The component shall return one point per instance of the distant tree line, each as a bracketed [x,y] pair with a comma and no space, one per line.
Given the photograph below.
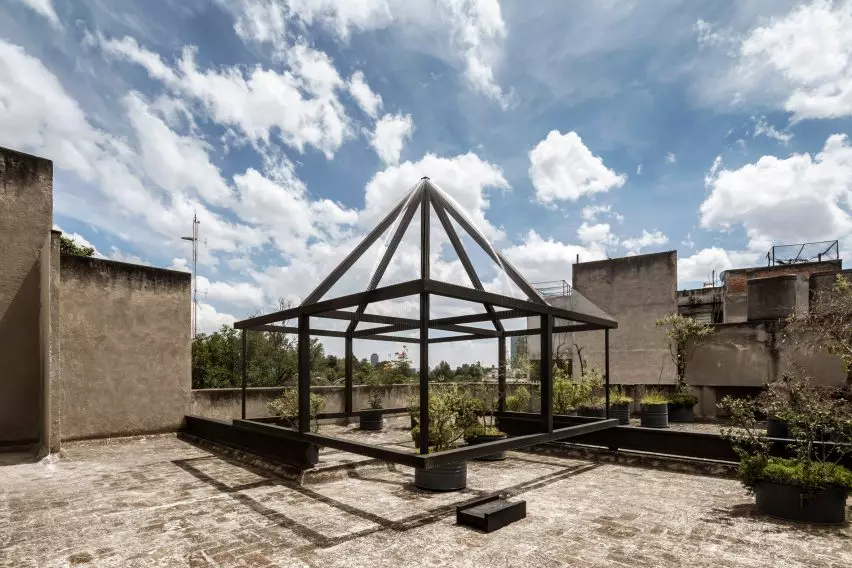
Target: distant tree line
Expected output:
[273,361]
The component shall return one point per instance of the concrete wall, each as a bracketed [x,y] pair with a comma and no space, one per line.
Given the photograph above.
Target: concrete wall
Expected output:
[26,211]
[125,355]
[736,282]
[226,404]
[636,291]
[752,354]
[777,297]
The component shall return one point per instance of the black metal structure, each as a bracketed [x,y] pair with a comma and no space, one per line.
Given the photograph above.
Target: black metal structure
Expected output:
[581,315]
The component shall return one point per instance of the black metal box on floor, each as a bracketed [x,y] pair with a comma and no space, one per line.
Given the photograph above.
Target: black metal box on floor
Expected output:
[490,513]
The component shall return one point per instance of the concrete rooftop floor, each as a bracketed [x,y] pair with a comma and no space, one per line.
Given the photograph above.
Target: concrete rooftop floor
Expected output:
[162,501]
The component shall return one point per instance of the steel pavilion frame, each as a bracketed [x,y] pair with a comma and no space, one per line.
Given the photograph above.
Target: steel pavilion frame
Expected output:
[425,196]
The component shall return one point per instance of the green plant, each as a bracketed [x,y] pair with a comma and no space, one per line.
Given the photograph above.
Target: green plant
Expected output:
[451,415]
[287,406]
[519,401]
[653,396]
[682,398]
[589,388]
[684,333]
[565,396]
[813,414]
[617,396]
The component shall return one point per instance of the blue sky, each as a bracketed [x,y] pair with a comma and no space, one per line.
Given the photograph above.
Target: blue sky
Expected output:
[562,128]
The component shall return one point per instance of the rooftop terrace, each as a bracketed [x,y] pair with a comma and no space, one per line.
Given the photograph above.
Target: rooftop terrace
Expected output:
[162,501]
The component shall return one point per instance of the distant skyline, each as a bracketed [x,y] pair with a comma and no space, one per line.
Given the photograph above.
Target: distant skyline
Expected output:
[562,128]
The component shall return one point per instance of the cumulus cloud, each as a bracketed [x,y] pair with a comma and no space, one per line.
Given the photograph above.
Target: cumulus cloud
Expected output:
[563,168]
[390,135]
[369,101]
[801,198]
[647,239]
[540,259]
[44,8]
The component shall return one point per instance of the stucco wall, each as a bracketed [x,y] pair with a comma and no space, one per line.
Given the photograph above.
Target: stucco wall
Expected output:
[26,210]
[636,291]
[125,348]
[750,354]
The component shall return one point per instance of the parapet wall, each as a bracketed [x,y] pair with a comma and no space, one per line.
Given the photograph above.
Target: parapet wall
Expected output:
[125,360]
[26,211]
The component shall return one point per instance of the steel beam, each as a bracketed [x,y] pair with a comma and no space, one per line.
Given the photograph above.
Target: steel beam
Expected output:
[378,295]
[424,324]
[359,250]
[606,369]
[546,373]
[462,254]
[347,375]
[369,318]
[474,318]
[304,358]
[501,373]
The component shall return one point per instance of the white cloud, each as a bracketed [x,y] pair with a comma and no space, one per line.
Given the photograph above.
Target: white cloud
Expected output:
[563,168]
[639,170]
[180,264]
[465,178]
[763,128]
[540,259]
[591,212]
[469,33]
[369,101]
[210,320]
[778,201]
[239,294]
[671,158]
[597,237]
[700,266]
[390,135]
[300,105]
[44,8]
[121,256]
[645,240]
[804,57]
[79,239]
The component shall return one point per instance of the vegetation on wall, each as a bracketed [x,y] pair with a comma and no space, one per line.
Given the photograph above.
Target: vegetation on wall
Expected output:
[67,245]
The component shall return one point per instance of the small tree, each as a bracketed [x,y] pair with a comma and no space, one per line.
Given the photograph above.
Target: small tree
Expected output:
[683,333]
[827,325]
[67,245]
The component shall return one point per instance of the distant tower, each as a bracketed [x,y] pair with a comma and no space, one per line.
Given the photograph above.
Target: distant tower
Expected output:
[194,239]
[374,359]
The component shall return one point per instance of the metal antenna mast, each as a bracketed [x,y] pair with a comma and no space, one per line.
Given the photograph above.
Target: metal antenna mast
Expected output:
[194,239]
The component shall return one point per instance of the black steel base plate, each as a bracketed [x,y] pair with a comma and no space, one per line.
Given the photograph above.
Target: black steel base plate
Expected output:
[490,513]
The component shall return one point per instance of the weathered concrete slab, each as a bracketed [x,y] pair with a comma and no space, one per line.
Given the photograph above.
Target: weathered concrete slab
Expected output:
[162,502]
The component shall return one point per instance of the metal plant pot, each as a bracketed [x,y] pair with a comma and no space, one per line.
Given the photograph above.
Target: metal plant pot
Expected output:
[371,420]
[481,439]
[655,415]
[450,477]
[620,411]
[776,428]
[826,506]
[591,412]
[681,414]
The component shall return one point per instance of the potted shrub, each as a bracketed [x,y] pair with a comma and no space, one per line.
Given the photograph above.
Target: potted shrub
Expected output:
[591,403]
[483,429]
[372,419]
[445,431]
[619,405]
[683,333]
[655,409]
[519,401]
[681,404]
[567,394]
[812,486]
[414,410]
[286,408]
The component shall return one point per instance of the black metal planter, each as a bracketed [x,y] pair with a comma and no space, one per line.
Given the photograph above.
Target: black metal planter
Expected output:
[371,420]
[450,477]
[620,411]
[655,415]
[776,428]
[481,439]
[826,506]
[591,412]
[681,413]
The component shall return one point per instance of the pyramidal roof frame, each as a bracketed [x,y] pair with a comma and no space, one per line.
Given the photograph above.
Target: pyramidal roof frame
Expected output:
[583,315]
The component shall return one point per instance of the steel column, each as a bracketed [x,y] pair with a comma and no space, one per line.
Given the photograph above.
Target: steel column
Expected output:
[606,369]
[347,373]
[546,372]
[304,354]
[501,373]
[244,372]
[424,323]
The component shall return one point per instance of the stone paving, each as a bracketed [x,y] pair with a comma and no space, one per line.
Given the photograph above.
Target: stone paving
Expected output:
[162,501]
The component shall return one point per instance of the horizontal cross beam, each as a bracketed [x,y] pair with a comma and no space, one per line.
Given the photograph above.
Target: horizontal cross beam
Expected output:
[332,333]
[478,331]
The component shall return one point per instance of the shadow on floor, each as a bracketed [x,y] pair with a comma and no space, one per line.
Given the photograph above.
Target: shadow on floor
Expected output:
[319,540]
